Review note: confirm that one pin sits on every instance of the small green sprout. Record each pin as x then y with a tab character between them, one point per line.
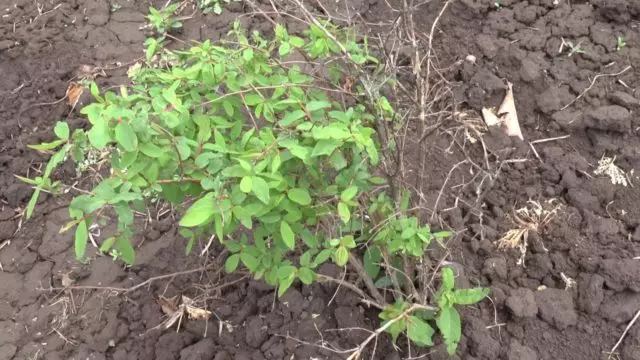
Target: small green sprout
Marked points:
620	43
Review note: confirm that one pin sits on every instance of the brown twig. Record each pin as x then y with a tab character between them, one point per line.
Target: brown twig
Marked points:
593	81
135	287
626	330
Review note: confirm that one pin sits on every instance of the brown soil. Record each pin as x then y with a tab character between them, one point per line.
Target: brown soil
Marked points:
594	240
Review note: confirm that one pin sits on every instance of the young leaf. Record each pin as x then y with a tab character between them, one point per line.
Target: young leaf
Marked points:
419	331
62	130
260	189
82	235
284	285
469	296
341	256
451	328
343	211
317	105
126	137
291	117
288	237
232	263
246	184
371	259
107	245
349	193
199	212
448	279
126	251
306	275
249	261
299	196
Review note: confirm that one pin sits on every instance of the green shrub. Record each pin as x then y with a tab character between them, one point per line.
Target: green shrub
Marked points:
238	137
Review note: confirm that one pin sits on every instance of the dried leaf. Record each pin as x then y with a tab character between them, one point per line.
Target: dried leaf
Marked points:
490	117
193	311
74	91
66	280
169	305
507	112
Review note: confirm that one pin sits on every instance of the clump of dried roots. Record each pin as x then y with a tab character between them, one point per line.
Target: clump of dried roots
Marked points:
530	218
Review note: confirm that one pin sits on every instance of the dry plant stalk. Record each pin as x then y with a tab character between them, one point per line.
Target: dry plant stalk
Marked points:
176	307
607	166
530	218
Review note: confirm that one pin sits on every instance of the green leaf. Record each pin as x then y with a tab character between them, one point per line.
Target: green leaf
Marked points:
107	244
99	134
253	99
232	263
284	285
448	279
260	189
284	49
396	329
371	259
343	211
288	237
247	54
189	246
291	117
82	235
317	105
246	184
126	137
47	146
151	150
469	296
341	256
451	328
126	251
249	261
325	147
299	196
420	332
62	130
306	275
199	212
349	193
322	257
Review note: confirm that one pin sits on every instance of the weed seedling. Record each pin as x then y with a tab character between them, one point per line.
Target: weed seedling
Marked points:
215	6
620	43
164	20
115	7
573	49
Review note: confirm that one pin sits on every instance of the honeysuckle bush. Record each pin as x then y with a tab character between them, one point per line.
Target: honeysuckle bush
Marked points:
242	141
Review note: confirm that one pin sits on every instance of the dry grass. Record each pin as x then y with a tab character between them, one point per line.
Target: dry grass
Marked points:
530	218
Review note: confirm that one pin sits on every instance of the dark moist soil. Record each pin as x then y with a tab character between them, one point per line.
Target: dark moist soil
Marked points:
531	315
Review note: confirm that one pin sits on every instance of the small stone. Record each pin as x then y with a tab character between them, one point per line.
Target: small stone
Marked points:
556	308
624	99
470	59
255	334
621	274
529	70
620	307
522	303
553	99
202	350
590	293
517	351
5	44
610	117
